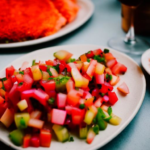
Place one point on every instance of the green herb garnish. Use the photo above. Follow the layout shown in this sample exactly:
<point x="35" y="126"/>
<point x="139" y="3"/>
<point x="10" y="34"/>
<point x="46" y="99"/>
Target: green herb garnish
<point x="82" y="106"/>
<point x="21" y="83"/>
<point x="21" y="72"/>
<point x="33" y="62"/>
<point x="106" y="50"/>
<point x="109" y="110"/>
<point x="88" y="60"/>
<point x="51" y="101"/>
<point x="99" y="59"/>
<point x="96" y="129"/>
<point x="108" y="77"/>
<point x="56" y="67"/>
<point x="71" y="139"/>
<point x="4" y="79"/>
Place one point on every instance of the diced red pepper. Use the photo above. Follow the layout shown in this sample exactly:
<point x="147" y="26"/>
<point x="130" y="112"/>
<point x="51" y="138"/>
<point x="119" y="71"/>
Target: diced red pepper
<point x="95" y="92"/>
<point x="28" y="71"/>
<point x="48" y="85"/>
<point x="98" y="52"/>
<point x="35" y="141"/>
<point x="68" y="68"/>
<point x="26" y="141"/>
<point x="14" y="94"/>
<point x="51" y="93"/>
<point x="10" y="71"/>
<point x="112" y="98"/>
<point x="49" y="62"/>
<point x="77" y="115"/>
<point x="1" y="100"/>
<point x="13" y="78"/>
<point x="103" y="89"/>
<point x="8" y="84"/>
<point x="43" y="67"/>
<point x="45" y="138"/>
<point x="90" y="54"/>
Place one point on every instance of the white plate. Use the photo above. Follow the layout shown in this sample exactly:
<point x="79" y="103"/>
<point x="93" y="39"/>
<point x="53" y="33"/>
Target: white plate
<point x="85" y="12"/>
<point x="145" y="60"/>
<point x="126" y="107"/>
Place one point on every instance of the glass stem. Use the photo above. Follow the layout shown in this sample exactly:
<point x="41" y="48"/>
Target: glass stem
<point x="130" y="36"/>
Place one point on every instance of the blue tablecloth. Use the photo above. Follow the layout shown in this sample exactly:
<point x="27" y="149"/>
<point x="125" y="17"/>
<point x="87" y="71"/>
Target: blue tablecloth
<point x="104" y="24"/>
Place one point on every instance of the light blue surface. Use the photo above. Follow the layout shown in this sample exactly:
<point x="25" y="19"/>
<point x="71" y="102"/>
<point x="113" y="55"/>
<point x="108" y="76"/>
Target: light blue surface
<point x="105" y="23"/>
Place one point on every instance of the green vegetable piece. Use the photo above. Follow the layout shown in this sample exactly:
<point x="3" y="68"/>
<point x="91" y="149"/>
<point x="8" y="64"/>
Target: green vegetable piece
<point x="61" y="133"/>
<point x="88" y="60"/>
<point x="21" y="72"/>
<point x="51" y="101"/>
<point x="102" y="94"/>
<point x="61" y="83"/>
<point x="108" y="77"/>
<point x="56" y="68"/>
<point x="82" y="106"/>
<point x="108" y="118"/>
<point x="109" y="110"/>
<point x="48" y="70"/>
<point x="95" y="120"/>
<point x="71" y="139"/>
<point x="16" y="137"/>
<point x="106" y="50"/>
<point x="83" y="132"/>
<point x="99" y="59"/>
<point x="21" y="83"/>
<point x="100" y="119"/>
<point x="33" y="62"/>
<point x="96" y="129"/>
<point x="71" y="60"/>
<point x="21" y="120"/>
<point x="4" y="79"/>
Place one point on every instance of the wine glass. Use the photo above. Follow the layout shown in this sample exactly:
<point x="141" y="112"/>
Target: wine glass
<point x="129" y="44"/>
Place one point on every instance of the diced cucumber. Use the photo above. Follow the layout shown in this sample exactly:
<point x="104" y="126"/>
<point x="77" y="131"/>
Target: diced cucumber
<point x="61" y="133"/>
<point x="21" y="120"/>
<point x="16" y="137"/>
<point x="89" y="116"/>
<point x="83" y="132"/>
<point x="115" y="120"/>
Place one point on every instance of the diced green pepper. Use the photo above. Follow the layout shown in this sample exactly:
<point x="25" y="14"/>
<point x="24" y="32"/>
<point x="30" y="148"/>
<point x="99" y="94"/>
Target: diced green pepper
<point x="61" y="133"/>
<point x="21" y="120"/>
<point x="83" y="132"/>
<point x="16" y="137"/>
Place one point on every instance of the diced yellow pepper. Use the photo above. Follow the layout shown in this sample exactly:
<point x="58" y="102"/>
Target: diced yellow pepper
<point x="22" y="105"/>
<point x="99" y="69"/>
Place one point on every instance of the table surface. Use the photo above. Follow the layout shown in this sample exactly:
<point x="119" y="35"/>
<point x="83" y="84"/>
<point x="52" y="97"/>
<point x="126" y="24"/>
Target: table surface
<point x="103" y="25"/>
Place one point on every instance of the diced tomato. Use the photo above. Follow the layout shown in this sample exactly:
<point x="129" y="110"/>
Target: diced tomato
<point x="51" y="93"/>
<point x="68" y="109"/>
<point x="19" y="78"/>
<point x="70" y="85"/>
<point x="1" y="100"/>
<point x="77" y="115"/>
<point x="28" y="71"/>
<point x="119" y="69"/>
<point x="103" y="89"/>
<point x="45" y="138"/>
<point x="1" y="84"/>
<point x="26" y="141"/>
<point x="73" y="98"/>
<point x="95" y="92"/>
<point x="43" y="67"/>
<point x="83" y="58"/>
<point x="89" y="101"/>
<point x="13" y="78"/>
<point x="123" y="88"/>
<point x="2" y="93"/>
<point x="99" y="78"/>
<point x="98" y="102"/>
<point x="35" y="141"/>
<point x="112" y="98"/>
<point x="111" y="63"/>
<point x="110" y="87"/>
<point x="10" y="71"/>
<point x="8" y="84"/>
<point x="48" y="85"/>
<point x="14" y="95"/>
<point x="108" y="56"/>
<point x="91" y="68"/>
<point x="90" y="54"/>
<point x="98" y="52"/>
<point x="68" y="68"/>
<point x="49" y="62"/>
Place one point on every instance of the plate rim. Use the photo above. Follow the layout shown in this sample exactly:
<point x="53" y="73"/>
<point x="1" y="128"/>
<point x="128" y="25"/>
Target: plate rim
<point x="119" y="130"/>
<point x="56" y="35"/>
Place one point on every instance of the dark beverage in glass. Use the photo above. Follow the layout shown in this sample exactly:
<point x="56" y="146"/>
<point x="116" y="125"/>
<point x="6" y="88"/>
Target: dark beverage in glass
<point x="130" y="2"/>
<point x="129" y="44"/>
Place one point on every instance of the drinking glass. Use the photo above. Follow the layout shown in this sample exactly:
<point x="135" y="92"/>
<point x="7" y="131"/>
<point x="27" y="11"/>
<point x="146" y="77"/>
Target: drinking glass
<point x="130" y="44"/>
